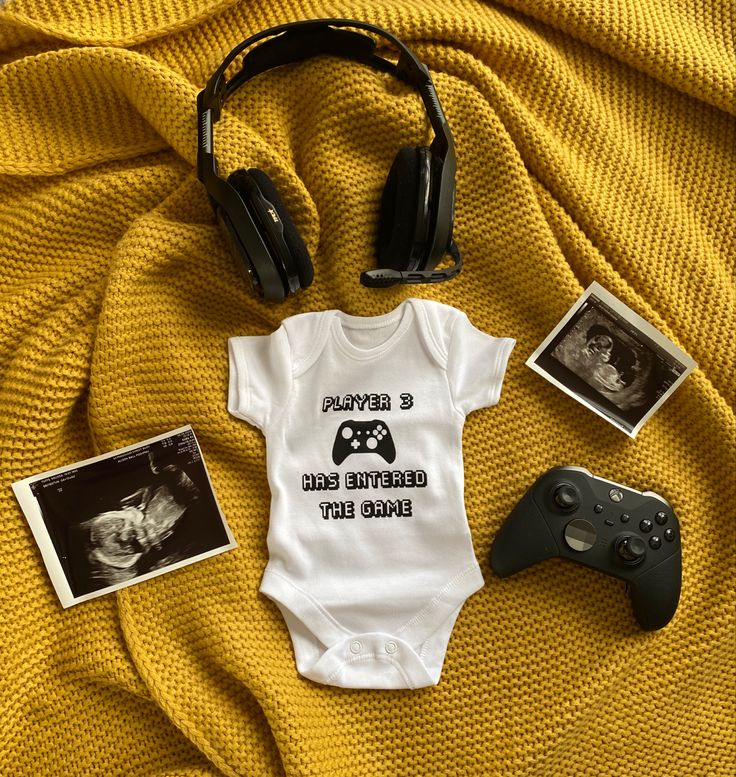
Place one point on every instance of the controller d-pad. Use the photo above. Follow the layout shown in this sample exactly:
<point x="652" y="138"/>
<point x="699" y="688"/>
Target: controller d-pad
<point x="580" y="534"/>
<point x="355" y="444"/>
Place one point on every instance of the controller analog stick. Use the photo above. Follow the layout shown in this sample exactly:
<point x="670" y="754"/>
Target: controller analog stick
<point x="631" y="550"/>
<point x="566" y="497"/>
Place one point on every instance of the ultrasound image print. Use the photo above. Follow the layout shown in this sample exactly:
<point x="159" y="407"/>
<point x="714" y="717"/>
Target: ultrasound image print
<point x="126" y="542"/>
<point x="610" y="359"/>
<point x="106" y="522"/>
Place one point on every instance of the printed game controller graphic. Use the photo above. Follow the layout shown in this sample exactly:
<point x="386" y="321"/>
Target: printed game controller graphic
<point x="629" y="534"/>
<point x="363" y="437"/>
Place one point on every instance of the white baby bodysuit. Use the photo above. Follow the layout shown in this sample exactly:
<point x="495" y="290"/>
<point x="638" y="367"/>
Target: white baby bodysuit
<point x="370" y="554"/>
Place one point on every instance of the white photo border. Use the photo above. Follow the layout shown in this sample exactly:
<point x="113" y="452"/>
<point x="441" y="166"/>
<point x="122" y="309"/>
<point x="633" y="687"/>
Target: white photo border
<point x="32" y="511"/>
<point x="633" y="319"/>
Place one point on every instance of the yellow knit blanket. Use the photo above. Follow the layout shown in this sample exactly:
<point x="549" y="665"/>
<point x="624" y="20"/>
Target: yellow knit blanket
<point x="596" y="140"/>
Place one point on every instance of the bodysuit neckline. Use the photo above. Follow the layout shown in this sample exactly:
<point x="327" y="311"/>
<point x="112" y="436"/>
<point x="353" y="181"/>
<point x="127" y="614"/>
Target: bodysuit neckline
<point x="402" y="313"/>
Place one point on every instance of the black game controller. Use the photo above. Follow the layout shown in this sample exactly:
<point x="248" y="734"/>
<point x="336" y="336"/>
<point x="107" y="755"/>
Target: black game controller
<point x="631" y="535"/>
<point x="363" y="437"/>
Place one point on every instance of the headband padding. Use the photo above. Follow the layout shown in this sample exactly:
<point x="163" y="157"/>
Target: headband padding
<point x="399" y="204"/>
<point x="244" y="181"/>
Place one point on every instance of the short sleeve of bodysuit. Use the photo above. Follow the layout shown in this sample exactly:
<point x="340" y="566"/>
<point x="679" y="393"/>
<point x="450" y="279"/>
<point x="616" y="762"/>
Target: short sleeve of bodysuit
<point x="476" y="364"/>
<point x="260" y="376"/>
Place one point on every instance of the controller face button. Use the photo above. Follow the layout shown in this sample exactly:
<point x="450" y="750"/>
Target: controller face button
<point x="654" y="542"/>
<point x="661" y="518"/>
<point x="646" y="525"/>
<point x="580" y="534"/>
<point x="631" y="550"/>
<point x="616" y="495"/>
<point x="625" y="517"/>
<point x="566" y="497"/>
<point x="598" y="509"/>
<point x="669" y="535"/>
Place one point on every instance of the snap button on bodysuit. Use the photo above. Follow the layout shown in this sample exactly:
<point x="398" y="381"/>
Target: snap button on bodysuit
<point x="356" y="646"/>
<point x="391" y="647"/>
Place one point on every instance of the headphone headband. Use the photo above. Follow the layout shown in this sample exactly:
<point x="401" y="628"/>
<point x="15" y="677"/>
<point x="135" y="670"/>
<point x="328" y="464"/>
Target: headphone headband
<point x="296" y="41"/>
<point x="416" y="232"/>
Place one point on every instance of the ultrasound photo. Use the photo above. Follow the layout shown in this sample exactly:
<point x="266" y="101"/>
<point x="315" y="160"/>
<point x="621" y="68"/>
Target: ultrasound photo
<point x="611" y="360"/>
<point x="125" y="516"/>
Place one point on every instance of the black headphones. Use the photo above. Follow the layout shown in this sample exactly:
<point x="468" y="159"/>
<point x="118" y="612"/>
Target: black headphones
<point x="417" y="206"/>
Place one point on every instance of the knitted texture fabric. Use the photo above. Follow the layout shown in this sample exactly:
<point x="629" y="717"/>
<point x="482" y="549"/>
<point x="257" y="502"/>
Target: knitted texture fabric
<point x="595" y="141"/>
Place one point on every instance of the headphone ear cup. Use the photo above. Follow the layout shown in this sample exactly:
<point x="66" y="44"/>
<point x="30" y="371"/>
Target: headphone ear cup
<point x="399" y="203"/>
<point x="243" y="181"/>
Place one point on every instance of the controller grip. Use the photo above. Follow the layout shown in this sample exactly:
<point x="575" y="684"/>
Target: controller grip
<point x="655" y="594"/>
<point x="523" y="540"/>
